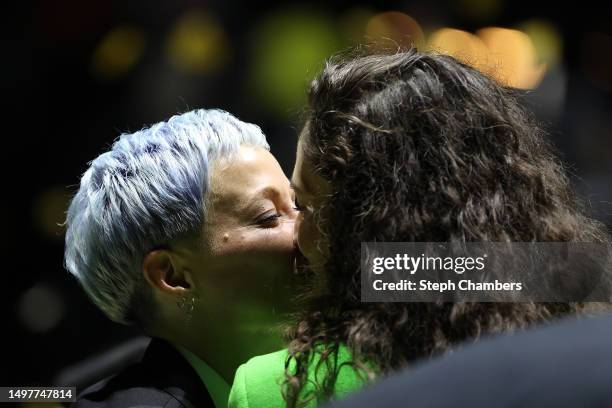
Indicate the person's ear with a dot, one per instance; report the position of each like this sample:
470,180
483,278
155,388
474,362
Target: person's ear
163,272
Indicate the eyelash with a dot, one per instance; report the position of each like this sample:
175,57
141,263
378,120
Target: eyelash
269,220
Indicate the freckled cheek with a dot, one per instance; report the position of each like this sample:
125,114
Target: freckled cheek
249,259
229,242
277,240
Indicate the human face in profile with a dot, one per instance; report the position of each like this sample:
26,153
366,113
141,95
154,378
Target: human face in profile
240,267
248,248
311,190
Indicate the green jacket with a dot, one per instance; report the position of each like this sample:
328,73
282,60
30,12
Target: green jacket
257,383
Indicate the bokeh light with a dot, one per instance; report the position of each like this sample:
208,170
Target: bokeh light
464,46
512,57
118,52
41,308
546,39
289,47
507,55
197,44
394,29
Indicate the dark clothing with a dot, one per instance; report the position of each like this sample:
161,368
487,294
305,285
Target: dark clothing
163,378
562,365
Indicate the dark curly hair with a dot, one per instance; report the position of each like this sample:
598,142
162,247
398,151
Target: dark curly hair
421,147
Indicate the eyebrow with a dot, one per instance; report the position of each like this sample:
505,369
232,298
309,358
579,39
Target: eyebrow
249,204
267,192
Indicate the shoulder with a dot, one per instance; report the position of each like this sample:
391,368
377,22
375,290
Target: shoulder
163,378
130,388
258,382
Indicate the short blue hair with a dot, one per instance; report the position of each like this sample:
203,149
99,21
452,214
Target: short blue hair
149,189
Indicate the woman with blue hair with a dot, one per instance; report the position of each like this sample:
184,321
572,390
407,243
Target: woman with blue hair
185,229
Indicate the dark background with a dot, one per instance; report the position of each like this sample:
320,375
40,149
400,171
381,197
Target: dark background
78,73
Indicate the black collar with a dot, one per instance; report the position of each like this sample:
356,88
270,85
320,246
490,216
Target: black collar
174,374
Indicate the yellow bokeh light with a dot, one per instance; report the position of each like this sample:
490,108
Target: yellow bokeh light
464,46
197,44
546,40
507,55
513,57
118,52
396,29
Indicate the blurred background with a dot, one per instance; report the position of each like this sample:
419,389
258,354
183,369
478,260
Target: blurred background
76,74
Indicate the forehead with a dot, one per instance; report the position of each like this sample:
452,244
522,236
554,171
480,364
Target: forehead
305,179
303,175
251,169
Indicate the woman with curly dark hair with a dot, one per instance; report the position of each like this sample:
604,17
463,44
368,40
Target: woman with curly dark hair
414,147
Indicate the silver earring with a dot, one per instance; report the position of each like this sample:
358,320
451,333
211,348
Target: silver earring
187,304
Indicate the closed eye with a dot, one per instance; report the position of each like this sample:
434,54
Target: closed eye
268,220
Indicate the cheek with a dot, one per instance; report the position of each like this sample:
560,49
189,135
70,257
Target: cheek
250,269
273,242
253,250
309,239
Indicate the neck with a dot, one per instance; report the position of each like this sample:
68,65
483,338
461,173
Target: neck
225,348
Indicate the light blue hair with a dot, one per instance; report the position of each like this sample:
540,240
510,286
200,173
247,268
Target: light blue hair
149,189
